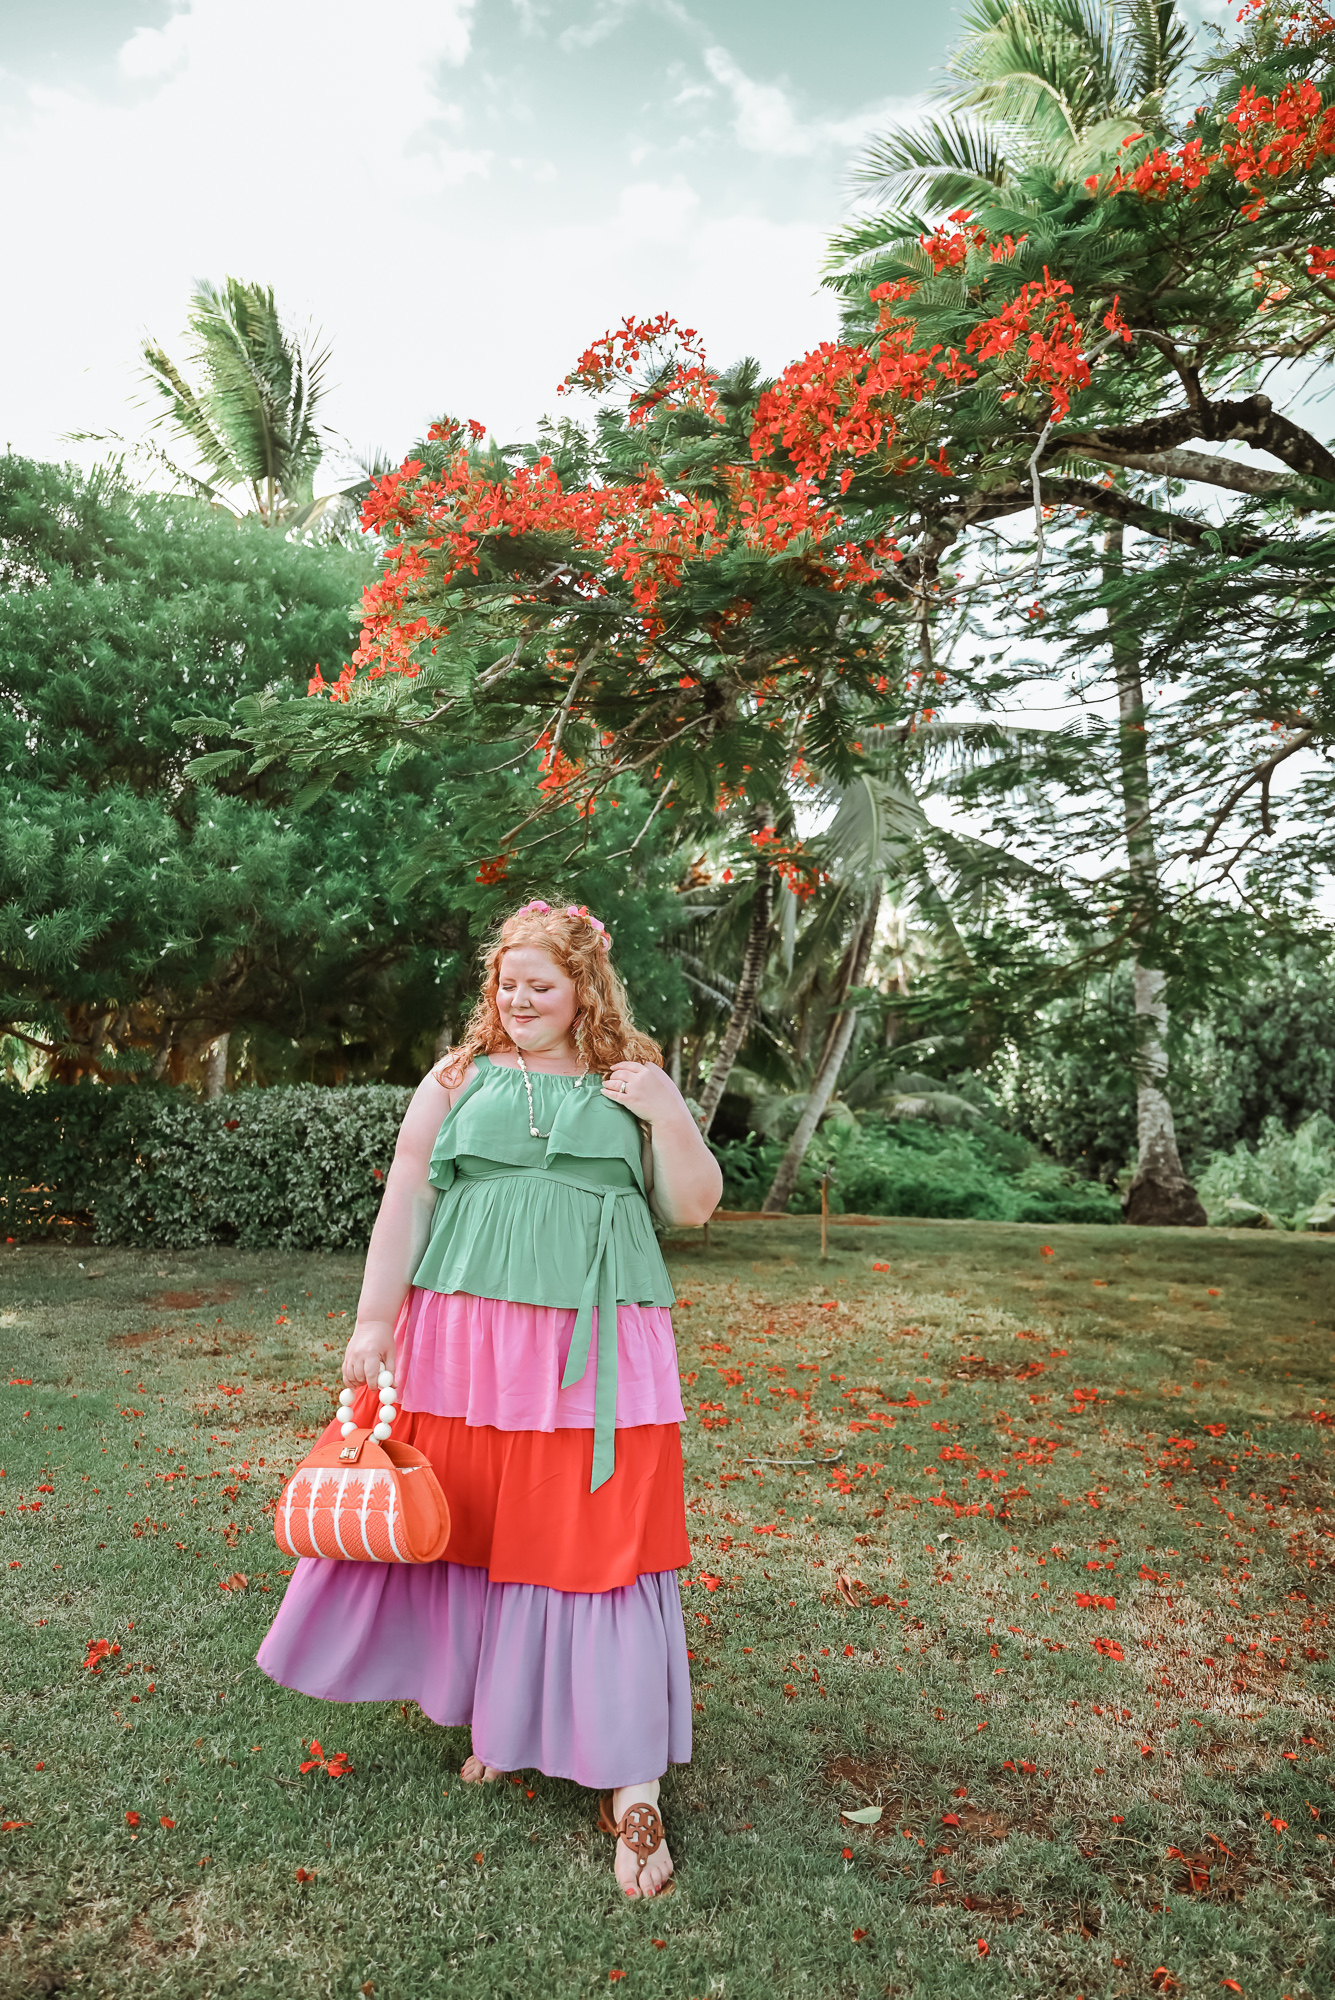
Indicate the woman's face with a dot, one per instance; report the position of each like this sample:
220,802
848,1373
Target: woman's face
536,1002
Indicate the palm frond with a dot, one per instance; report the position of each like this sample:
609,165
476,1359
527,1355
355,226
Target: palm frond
1155,40
190,414
939,164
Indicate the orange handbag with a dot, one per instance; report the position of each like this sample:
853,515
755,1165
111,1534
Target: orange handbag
363,1498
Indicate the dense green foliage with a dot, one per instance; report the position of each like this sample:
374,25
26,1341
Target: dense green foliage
142,915
1260,1053
1288,1176
908,1167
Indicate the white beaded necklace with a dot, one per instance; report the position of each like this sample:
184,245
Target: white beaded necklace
528,1088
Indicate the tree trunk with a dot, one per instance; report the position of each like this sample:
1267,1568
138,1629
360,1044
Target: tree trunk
746,996
215,1068
1160,1192
837,1046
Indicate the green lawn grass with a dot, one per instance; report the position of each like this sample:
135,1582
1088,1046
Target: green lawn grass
1127,1418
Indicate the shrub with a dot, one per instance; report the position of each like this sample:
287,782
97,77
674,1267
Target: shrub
297,1168
1285,1173
895,1168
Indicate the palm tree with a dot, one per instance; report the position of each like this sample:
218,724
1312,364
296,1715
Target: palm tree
1033,83
251,418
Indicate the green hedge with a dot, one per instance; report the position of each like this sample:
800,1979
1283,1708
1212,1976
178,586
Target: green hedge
296,1168
301,1168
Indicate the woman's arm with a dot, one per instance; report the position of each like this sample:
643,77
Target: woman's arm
685,1182
399,1237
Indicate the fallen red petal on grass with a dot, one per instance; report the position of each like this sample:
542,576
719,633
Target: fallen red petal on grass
938,1876
164,1821
858,1936
307,1874
616,1973
848,1854
983,1947
1231,1984
478,1857
13,1825
132,1819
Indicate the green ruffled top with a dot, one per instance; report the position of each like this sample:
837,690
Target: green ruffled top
562,1220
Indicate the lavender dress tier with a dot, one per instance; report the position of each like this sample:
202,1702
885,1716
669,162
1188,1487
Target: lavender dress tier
588,1685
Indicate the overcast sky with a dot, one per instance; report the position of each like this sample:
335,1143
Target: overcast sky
459,193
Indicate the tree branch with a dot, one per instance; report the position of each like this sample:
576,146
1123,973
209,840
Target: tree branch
1253,421
1190,465
1262,775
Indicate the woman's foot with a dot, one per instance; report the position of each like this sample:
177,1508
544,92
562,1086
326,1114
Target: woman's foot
475,1772
650,1878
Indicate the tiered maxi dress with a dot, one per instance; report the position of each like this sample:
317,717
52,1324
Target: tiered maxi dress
553,1623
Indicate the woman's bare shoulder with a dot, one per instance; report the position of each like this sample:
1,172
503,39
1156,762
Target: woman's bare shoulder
448,1083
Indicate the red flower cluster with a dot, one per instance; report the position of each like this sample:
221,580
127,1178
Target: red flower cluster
947,248
1054,351
1159,173
688,384
790,862
1279,136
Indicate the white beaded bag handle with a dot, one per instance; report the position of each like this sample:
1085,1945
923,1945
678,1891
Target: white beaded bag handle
385,1417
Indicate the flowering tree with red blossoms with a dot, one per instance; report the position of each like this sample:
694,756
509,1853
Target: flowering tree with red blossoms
719,572
717,581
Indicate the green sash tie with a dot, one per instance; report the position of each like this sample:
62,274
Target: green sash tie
600,1284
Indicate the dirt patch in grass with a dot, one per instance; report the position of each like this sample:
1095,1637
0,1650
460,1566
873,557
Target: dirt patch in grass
213,1295
141,1337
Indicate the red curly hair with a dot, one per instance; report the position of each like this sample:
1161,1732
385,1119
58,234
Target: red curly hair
580,947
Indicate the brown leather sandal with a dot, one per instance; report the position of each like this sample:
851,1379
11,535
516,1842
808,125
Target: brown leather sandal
640,1827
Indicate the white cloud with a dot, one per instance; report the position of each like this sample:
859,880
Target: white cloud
647,211
337,167
152,52
766,121
607,18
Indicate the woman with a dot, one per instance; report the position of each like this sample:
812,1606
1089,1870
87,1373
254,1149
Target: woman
515,1290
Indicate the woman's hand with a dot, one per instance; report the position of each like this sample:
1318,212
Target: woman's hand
645,1089
370,1349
